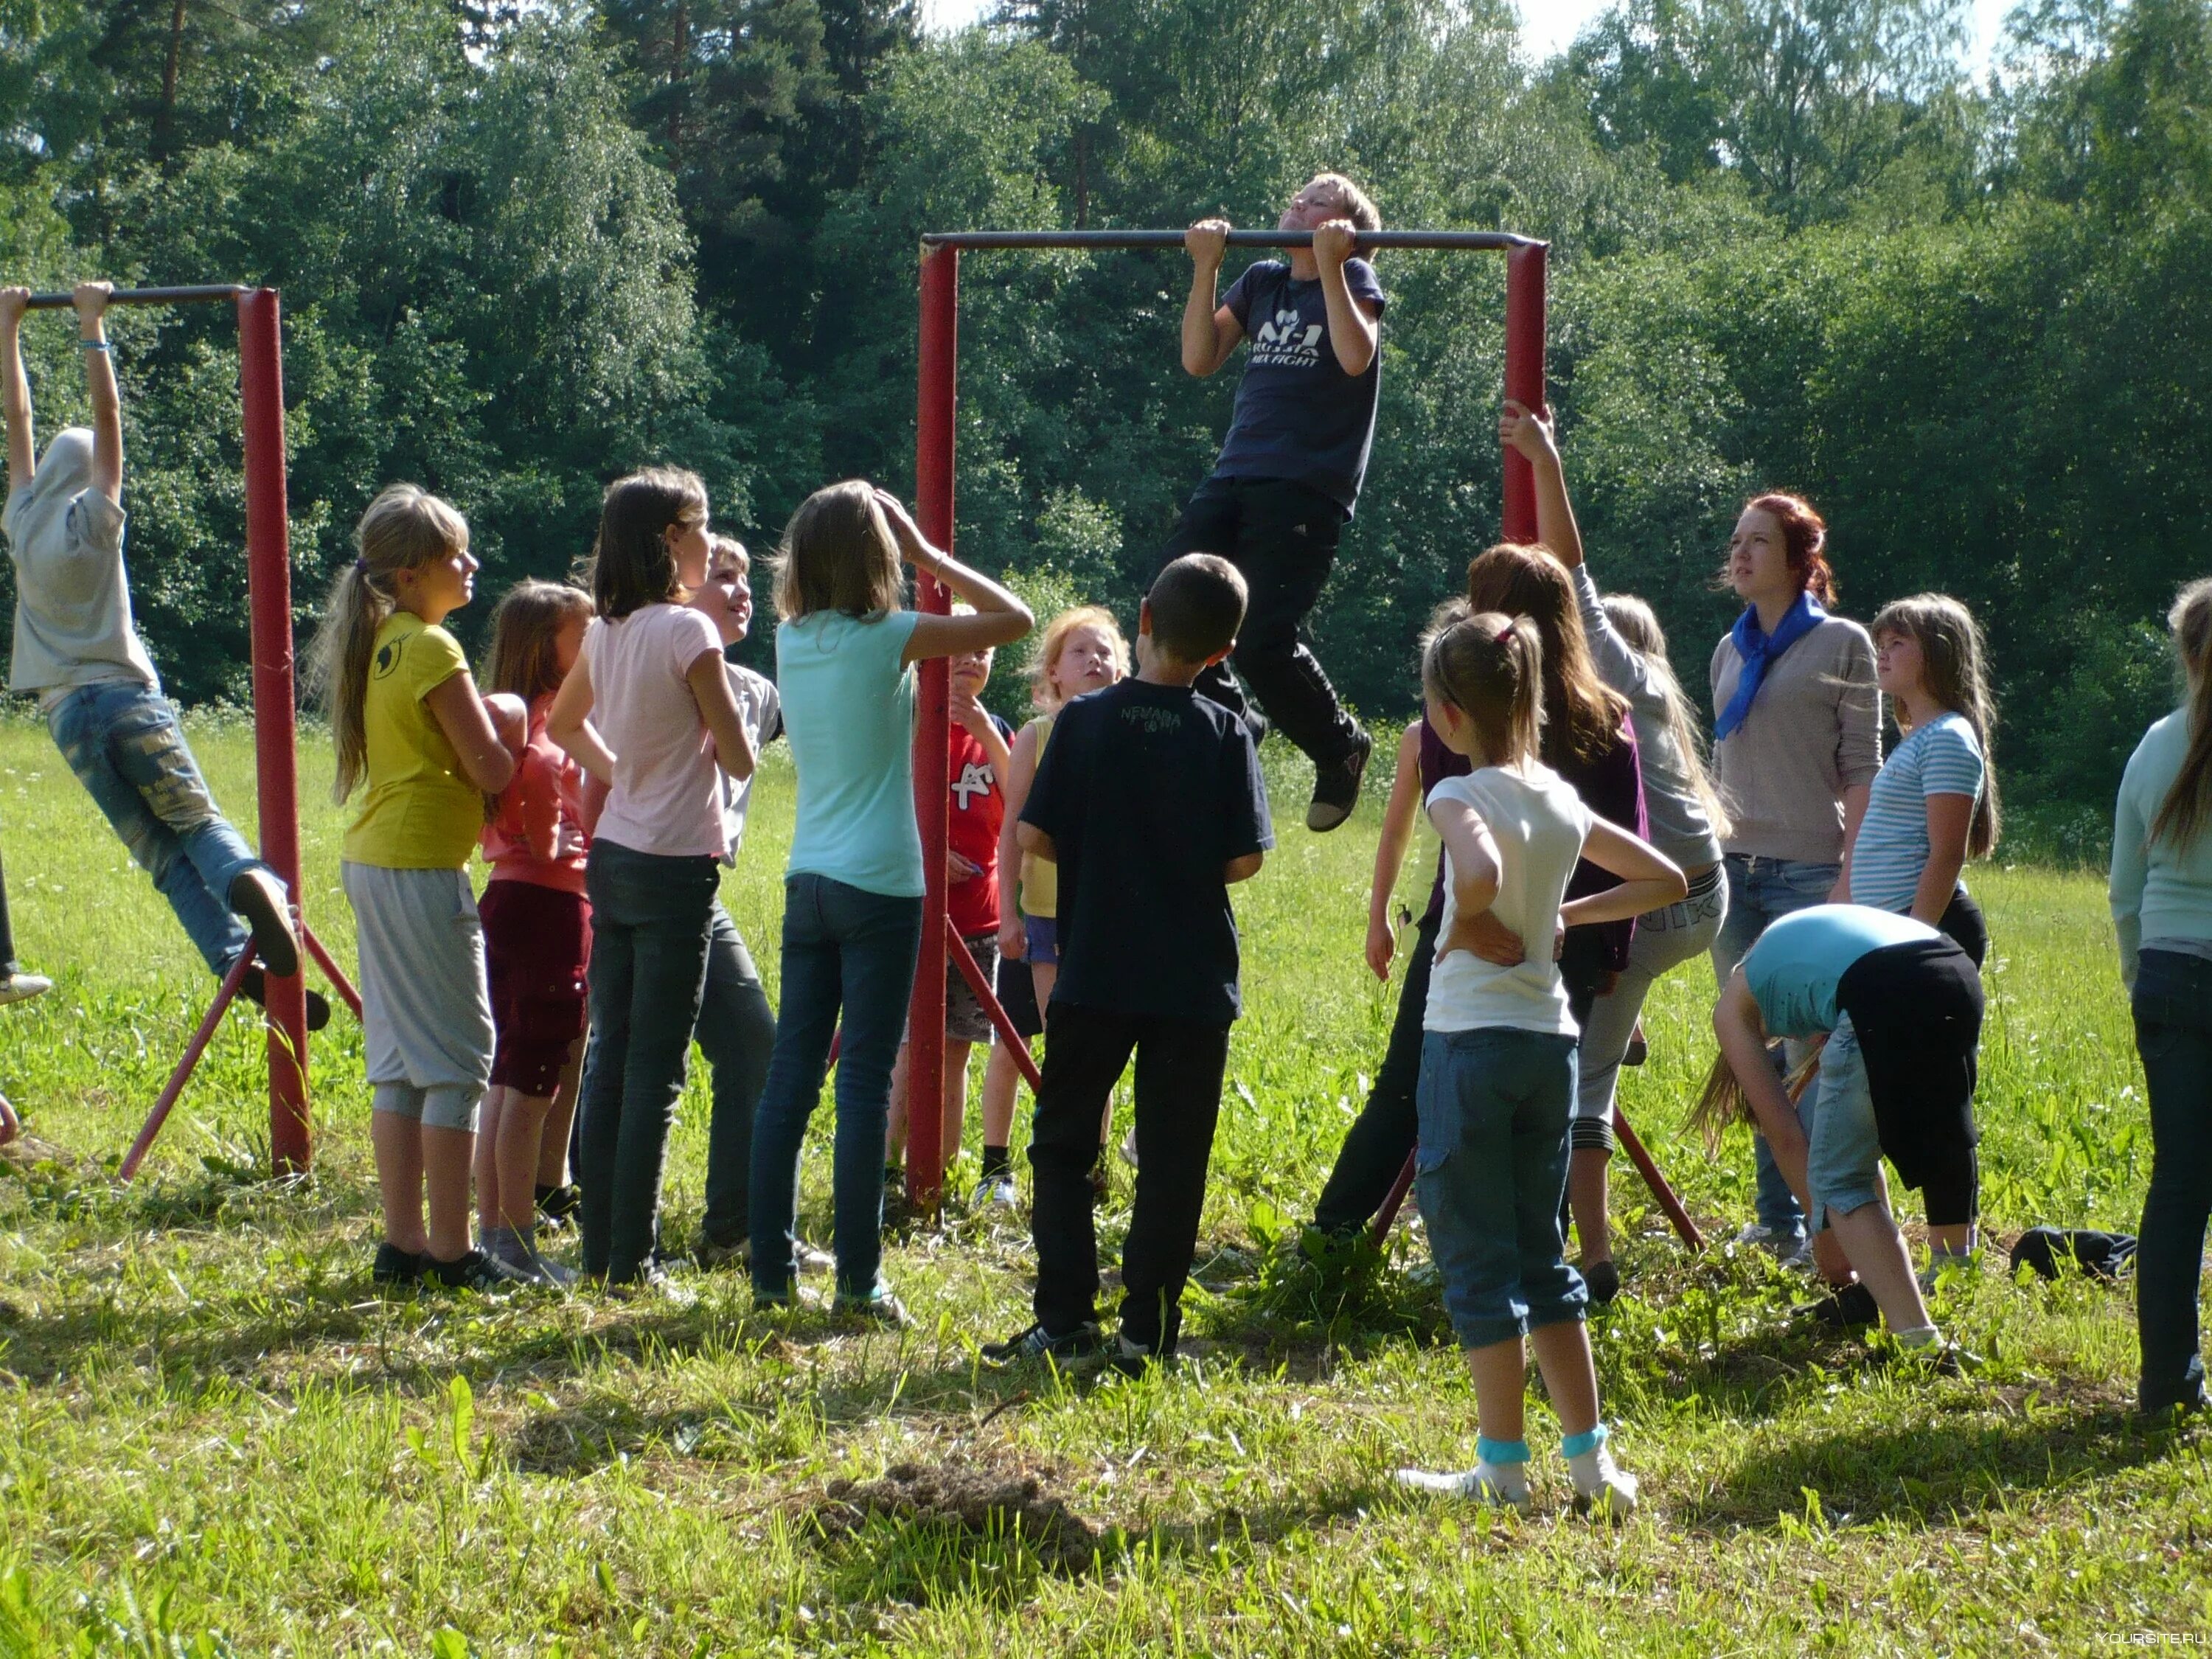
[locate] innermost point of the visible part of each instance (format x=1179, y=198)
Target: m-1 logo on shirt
x=973, y=780
x=1289, y=342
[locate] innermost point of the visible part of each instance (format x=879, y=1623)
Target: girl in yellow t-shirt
x=408, y=724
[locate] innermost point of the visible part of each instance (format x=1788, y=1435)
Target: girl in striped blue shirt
x=1933, y=807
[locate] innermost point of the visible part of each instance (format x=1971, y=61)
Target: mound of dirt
x=984, y=1503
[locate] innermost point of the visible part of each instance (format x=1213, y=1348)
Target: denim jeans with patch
x=122, y=739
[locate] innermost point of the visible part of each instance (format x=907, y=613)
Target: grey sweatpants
x=425, y=1007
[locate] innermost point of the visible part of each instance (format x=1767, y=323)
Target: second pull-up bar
x=1495, y=242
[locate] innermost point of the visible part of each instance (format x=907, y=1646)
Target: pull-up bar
x=191, y=295
x=934, y=479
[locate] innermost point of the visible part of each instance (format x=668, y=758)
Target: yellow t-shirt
x=1040, y=876
x=422, y=812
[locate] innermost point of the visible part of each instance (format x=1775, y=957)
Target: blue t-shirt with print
x=1941, y=758
x=1299, y=415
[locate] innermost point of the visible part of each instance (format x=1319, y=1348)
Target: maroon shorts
x=537, y=942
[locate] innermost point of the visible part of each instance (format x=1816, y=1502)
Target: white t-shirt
x=1539, y=824
x=667, y=794
x=760, y=709
x=73, y=622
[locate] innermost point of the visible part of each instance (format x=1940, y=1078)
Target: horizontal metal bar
x=1492, y=241
x=148, y=296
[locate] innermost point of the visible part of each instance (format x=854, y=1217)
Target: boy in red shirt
x=979, y=744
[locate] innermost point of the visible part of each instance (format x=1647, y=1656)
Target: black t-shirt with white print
x=1299, y=415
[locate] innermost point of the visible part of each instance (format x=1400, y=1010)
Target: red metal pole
x=182, y=1075
x=957, y=948
x=269, y=585
x=331, y=971
x=1524, y=377
x=1671, y=1204
x=932, y=489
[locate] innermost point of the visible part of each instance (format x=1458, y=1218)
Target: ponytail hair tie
x=1505, y=632
x=360, y=567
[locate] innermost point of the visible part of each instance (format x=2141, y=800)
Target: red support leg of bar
x=1524, y=377
x=957, y=949
x=268, y=584
x=182, y=1075
x=932, y=489
x=331, y=971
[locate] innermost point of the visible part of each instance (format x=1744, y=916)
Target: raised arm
x=1209, y=332
x=460, y=712
x=15, y=388
x=1353, y=333
x=1527, y=433
x=91, y=301
x=569, y=723
x=1000, y=617
x=1649, y=879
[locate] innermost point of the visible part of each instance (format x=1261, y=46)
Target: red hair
x=1804, y=534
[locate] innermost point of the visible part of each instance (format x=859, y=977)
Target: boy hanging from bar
x=1289, y=473
x=77, y=646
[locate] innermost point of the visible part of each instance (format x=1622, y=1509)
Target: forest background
x=1795, y=244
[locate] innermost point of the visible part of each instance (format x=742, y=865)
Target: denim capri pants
x=1843, y=1159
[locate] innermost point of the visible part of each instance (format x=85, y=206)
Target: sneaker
x=1129, y=1147
x=258, y=897
x=1778, y=1241
x=712, y=1257
x=254, y=987
x=1134, y=1359
x=1336, y=788
x=1464, y=1484
x=1942, y=1358
x=811, y=1261
x=1614, y=1497
x=880, y=1308
x=21, y=987
x=1602, y=1280
x=395, y=1266
x=557, y=1206
x=1084, y=1342
x=473, y=1272
x=1638, y=1050
x=995, y=1192
x=1845, y=1307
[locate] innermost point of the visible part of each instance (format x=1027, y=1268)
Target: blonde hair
x=1635, y=623
x=1490, y=666
x=1953, y=667
x=525, y=627
x=721, y=548
x=838, y=554
x=2187, y=807
x=404, y=528
x=1053, y=638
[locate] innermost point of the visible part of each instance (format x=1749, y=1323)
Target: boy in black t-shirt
x=1290, y=470
x=1149, y=799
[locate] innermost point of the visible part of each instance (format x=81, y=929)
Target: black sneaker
x=395, y=1266
x=712, y=1255
x=259, y=897
x=254, y=987
x=1845, y=1307
x=557, y=1206
x=882, y=1308
x=1336, y=788
x=1134, y=1359
x=474, y=1271
x=1602, y=1280
x=1084, y=1342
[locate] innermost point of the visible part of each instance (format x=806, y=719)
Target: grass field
x=217, y=1439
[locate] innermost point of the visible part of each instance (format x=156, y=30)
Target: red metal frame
x=269, y=588
x=934, y=465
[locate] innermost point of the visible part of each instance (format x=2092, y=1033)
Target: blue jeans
x=1762, y=890
x=737, y=1032
x=842, y=948
x=2173, y=1032
x=649, y=932
x=1490, y=1172
x=122, y=740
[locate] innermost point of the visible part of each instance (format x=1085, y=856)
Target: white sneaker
x=995, y=1192
x=1129, y=1147
x=811, y=1261
x=1468, y=1485
x=21, y=987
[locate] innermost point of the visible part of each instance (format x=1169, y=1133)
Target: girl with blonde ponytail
x=412, y=731
x=2161, y=894
x=1497, y=1057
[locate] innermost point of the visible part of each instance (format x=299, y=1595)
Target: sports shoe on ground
x=258, y=897
x=712, y=1255
x=1336, y=788
x=1602, y=1280
x=995, y=1192
x=811, y=1261
x=21, y=986
x=395, y=1266
x=1083, y=1343
x=1778, y=1241
x=1612, y=1498
x=1134, y=1359
x=473, y=1272
x=1845, y=1306
x=557, y=1206
x=254, y=987
x=1464, y=1483
x=882, y=1308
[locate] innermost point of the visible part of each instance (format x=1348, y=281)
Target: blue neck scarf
x=1761, y=650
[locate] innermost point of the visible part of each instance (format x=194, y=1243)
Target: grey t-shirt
x=73, y=623
x=1680, y=826
x=1813, y=730
x=761, y=710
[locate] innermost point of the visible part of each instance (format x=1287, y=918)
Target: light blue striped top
x=1941, y=758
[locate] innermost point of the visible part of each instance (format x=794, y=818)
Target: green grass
x=217, y=1439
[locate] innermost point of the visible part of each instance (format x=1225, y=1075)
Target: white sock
x=1509, y=1480
x=1921, y=1336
